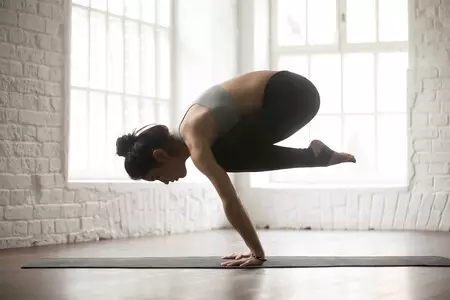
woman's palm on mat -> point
(241, 260)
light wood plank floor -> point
(278, 284)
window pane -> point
(393, 20)
(99, 4)
(294, 63)
(132, 9)
(115, 55)
(98, 50)
(80, 47)
(361, 26)
(163, 12)
(147, 112)
(326, 76)
(131, 114)
(328, 130)
(148, 61)
(132, 58)
(291, 16)
(163, 69)
(358, 83)
(300, 139)
(392, 82)
(115, 7)
(148, 11)
(114, 123)
(79, 133)
(392, 146)
(359, 140)
(81, 2)
(322, 27)
(163, 113)
(97, 131)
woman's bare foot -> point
(327, 157)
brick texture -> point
(36, 206)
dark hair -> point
(137, 148)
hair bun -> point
(124, 144)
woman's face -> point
(169, 169)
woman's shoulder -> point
(197, 123)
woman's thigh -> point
(290, 102)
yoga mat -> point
(213, 262)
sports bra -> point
(220, 104)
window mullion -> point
(377, 21)
(342, 19)
(273, 34)
(173, 97)
(124, 46)
(88, 93)
(376, 57)
(306, 22)
(106, 94)
(140, 97)
(375, 108)
(316, 49)
(155, 37)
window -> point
(120, 79)
(356, 53)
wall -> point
(422, 206)
(37, 205)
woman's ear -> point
(161, 155)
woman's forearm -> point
(238, 217)
(235, 212)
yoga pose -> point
(232, 127)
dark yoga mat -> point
(213, 262)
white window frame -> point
(103, 175)
(266, 179)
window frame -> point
(341, 47)
(104, 175)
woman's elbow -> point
(231, 207)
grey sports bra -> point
(219, 102)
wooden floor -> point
(278, 284)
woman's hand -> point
(204, 160)
(237, 255)
(242, 260)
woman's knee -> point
(315, 102)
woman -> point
(232, 127)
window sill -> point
(328, 187)
(128, 185)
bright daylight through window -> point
(120, 79)
(356, 52)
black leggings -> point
(290, 102)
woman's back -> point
(247, 90)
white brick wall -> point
(36, 205)
(38, 208)
(425, 205)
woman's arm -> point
(235, 212)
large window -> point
(119, 79)
(356, 53)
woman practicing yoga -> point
(232, 127)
